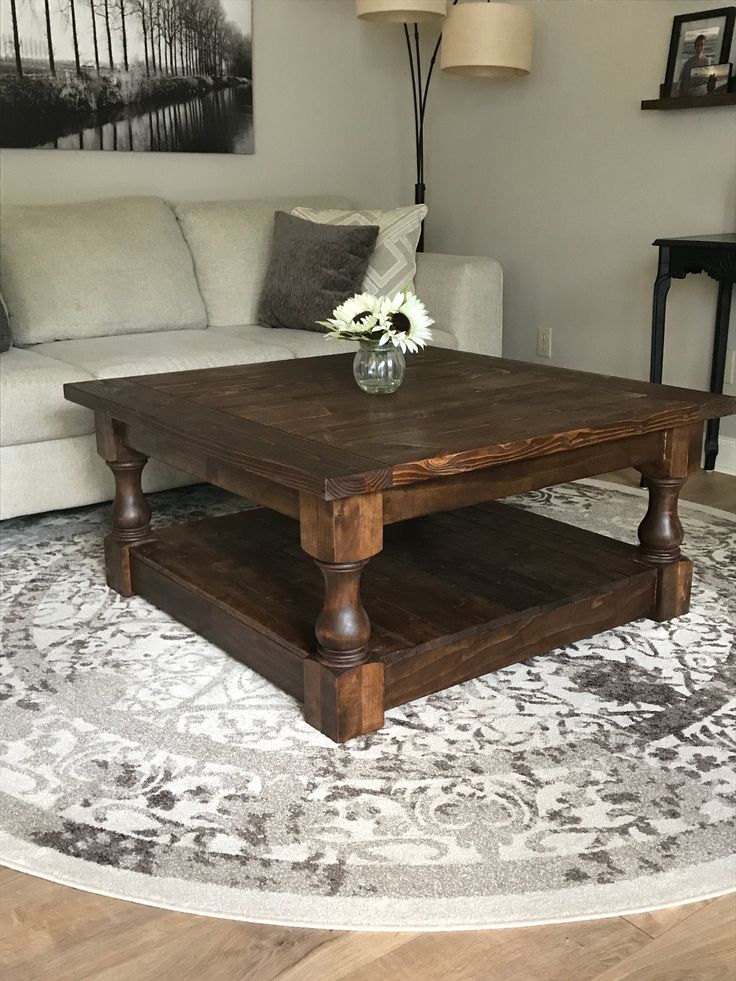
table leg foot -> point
(673, 590)
(343, 703)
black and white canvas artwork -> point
(163, 75)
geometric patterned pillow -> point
(393, 265)
(6, 339)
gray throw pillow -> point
(6, 339)
(313, 268)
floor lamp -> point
(483, 40)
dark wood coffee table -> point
(455, 586)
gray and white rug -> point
(139, 761)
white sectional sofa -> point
(130, 286)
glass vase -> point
(379, 370)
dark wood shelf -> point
(480, 588)
(692, 101)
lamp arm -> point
(416, 97)
(420, 94)
(420, 99)
(423, 104)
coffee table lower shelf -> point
(451, 597)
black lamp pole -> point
(419, 91)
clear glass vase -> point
(379, 370)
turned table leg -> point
(660, 535)
(660, 532)
(342, 628)
(131, 514)
(343, 687)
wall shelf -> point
(692, 101)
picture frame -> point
(698, 40)
(710, 81)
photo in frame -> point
(130, 75)
(699, 40)
(707, 81)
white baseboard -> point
(726, 459)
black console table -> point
(716, 256)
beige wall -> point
(566, 181)
(327, 119)
(560, 176)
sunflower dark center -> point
(359, 318)
(400, 322)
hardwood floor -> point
(54, 933)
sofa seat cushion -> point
(230, 242)
(305, 344)
(97, 268)
(299, 343)
(32, 403)
(150, 354)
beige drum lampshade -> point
(401, 11)
(487, 39)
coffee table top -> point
(305, 424)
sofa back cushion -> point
(230, 242)
(115, 266)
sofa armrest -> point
(464, 294)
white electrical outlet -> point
(544, 342)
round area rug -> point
(141, 762)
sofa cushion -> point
(32, 403)
(393, 264)
(313, 269)
(443, 338)
(300, 343)
(98, 268)
(230, 242)
(303, 344)
(149, 354)
(67, 473)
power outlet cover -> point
(544, 342)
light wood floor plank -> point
(213, 950)
(54, 932)
(344, 956)
(702, 948)
(659, 921)
(551, 953)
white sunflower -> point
(404, 321)
(354, 319)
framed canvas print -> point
(140, 75)
(699, 40)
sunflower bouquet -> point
(400, 320)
